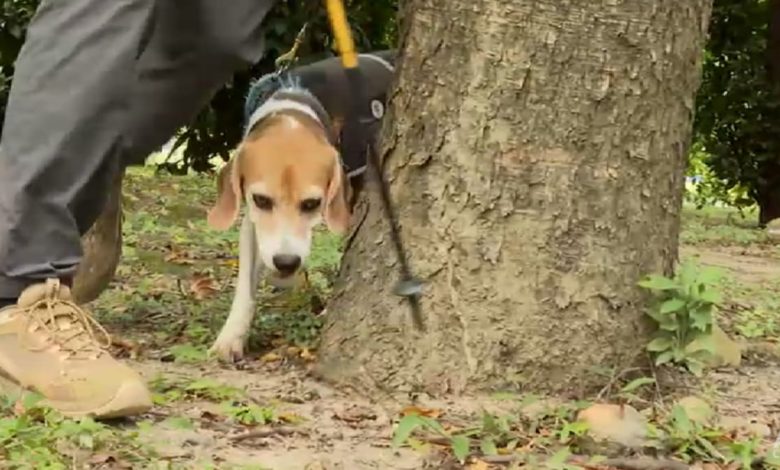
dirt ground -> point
(342, 430)
(173, 290)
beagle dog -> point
(289, 171)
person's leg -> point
(195, 48)
(62, 130)
(72, 105)
(62, 133)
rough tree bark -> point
(768, 187)
(102, 248)
(537, 152)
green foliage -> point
(32, 436)
(704, 188)
(627, 393)
(217, 129)
(684, 313)
(738, 110)
(459, 443)
(249, 414)
(494, 434)
(691, 440)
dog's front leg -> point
(229, 345)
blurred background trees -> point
(734, 160)
(218, 128)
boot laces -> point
(68, 326)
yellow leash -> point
(343, 34)
(354, 140)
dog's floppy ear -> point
(225, 210)
(336, 213)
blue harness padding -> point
(259, 92)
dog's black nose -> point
(287, 264)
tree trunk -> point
(102, 248)
(768, 196)
(537, 151)
(773, 43)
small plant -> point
(167, 391)
(249, 414)
(757, 323)
(32, 436)
(460, 444)
(684, 312)
(188, 354)
(692, 441)
(627, 394)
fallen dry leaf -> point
(427, 412)
(306, 355)
(270, 357)
(177, 256)
(290, 418)
(130, 347)
(478, 465)
(108, 461)
(355, 415)
(202, 287)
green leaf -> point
(559, 457)
(460, 447)
(773, 456)
(488, 447)
(636, 383)
(433, 425)
(672, 305)
(664, 357)
(701, 343)
(711, 296)
(180, 422)
(86, 441)
(406, 426)
(662, 343)
(701, 318)
(665, 322)
(687, 274)
(709, 276)
(489, 424)
(711, 449)
(681, 421)
(659, 283)
(695, 366)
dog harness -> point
(321, 89)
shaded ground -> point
(173, 291)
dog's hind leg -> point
(229, 345)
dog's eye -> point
(310, 205)
(263, 202)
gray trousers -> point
(100, 84)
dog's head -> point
(291, 179)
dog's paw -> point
(228, 348)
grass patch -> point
(717, 226)
(36, 437)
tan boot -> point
(50, 345)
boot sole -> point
(131, 399)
